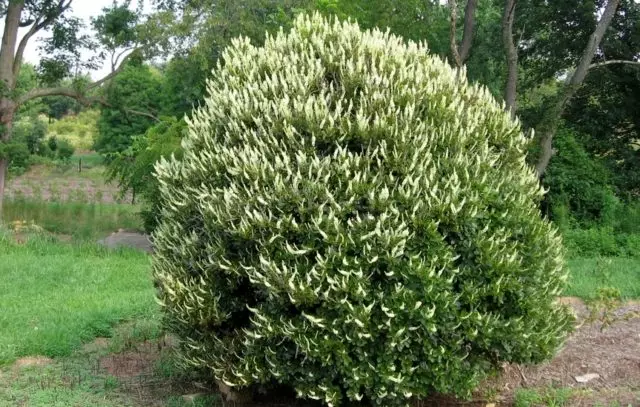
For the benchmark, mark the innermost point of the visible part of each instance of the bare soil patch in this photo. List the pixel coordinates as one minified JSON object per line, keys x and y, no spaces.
{"x":600,"y":365}
{"x":96,"y":345}
{"x":30,"y":361}
{"x":132,"y":363}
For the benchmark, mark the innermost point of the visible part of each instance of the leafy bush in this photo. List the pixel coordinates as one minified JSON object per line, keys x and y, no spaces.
{"x":353,"y":219}
{"x":64,"y":150}
{"x":578,"y":181}
{"x":31,"y":132}
{"x":52,"y":143}
{"x":601,"y":241}
{"x":18,"y":154}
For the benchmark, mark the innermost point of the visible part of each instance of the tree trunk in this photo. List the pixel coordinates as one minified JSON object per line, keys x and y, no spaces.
{"x":510,"y":91}
{"x":7,"y":110}
{"x":461,"y":54}
{"x":7,"y":82}
{"x":550,"y":122}
{"x":4,"y":164}
{"x":467,"y":33}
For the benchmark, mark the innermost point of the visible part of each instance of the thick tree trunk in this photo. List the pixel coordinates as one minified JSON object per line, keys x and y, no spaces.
{"x":511,"y":87}
{"x":467,"y":33}
{"x":7,"y":82}
{"x":4,"y":165}
{"x":549,"y":125}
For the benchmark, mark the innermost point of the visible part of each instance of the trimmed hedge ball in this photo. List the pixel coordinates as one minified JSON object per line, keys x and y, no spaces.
{"x":353,"y":219}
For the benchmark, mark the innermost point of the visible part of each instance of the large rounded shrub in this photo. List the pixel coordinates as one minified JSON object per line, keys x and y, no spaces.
{"x":353,"y":219}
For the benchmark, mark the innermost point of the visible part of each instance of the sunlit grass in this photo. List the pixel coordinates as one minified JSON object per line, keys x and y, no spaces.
{"x":55,"y":296}
{"x":586,"y":275}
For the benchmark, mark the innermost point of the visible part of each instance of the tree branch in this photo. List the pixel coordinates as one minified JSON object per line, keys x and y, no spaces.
{"x":80,"y":97}
{"x":9,"y":38}
{"x":116,"y":57}
{"x":613,"y":61}
{"x":511,"y":51}
{"x":549,"y":124}
{"x":81,"y":94}
{"x":37,"y":26}
{"x":113,"y":72}
{"x":461,"y":54}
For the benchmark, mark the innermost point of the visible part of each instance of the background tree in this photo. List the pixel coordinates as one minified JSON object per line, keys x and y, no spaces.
{"x":133,"y":100}
{"x":57,"y":107}
{"x":461,"y":52}
{"x":132,"y":169}
{"x":62,"y":51}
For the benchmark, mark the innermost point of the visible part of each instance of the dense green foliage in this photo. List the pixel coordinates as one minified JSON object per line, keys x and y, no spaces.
{"x":80,"y":130}
{"x":137,"y":88}
{"x":578,"y":182}
{"x":133,"y":168}
{"x":31,"y":132}
{"x":364,"y":226}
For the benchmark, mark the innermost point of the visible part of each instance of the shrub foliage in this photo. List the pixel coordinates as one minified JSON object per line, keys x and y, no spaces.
{"x":353,"y":219}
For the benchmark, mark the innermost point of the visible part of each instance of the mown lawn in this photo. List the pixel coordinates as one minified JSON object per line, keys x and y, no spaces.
{"x":54,"y":297}
{"x":586,"y":275}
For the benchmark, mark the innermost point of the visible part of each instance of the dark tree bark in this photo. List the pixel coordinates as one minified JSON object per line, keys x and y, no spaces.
{"x":467,"y":33}
{"x":511,"y":52}
{"x":550,"y":122}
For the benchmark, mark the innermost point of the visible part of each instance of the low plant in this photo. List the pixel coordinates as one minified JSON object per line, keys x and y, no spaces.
{"x":608,"y":300}
{"x":548,"y":397}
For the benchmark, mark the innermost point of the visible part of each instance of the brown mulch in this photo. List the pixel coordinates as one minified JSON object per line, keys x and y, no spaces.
{"x":612,"y":352}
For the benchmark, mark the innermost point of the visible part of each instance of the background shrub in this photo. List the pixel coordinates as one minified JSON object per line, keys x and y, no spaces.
{"x":578,"y":181}
{"x":64,"y":150}
{"x":353,"y":219}
{"x":132,"y":169}
{"x":18,"y":154}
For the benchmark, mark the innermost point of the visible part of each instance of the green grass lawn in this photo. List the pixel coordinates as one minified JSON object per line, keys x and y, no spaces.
{"x":587,"y":274}
{"x":54,"y":297}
